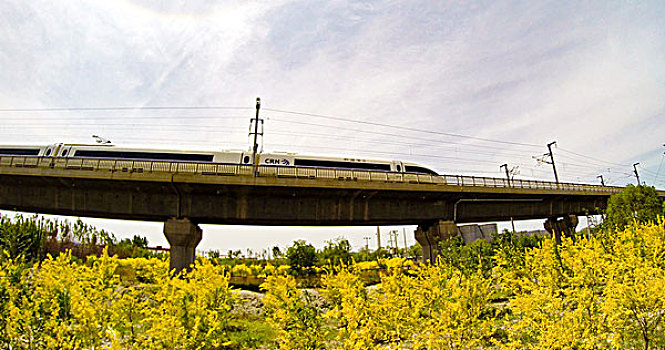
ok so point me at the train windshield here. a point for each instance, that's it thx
(418, 170)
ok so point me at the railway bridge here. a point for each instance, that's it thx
(184, 195)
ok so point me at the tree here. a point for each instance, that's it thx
(277, 253)
(336, 252)
(635, 203)
(23, 237)
(301, 257)
(139, 242)
(415, 251)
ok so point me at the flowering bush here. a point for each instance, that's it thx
(604, 292)
(60, 304)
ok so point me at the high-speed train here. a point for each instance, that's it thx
(106, 151)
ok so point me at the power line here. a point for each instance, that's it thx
(123, 108)
(428, 143)
(113, 125)
(401, 127)
(374, 132)
(592, 158)
(432, 143)
(410, 144)
(123, 116)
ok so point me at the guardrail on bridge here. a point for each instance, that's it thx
(216, 169)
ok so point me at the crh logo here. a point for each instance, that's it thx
(277, 161)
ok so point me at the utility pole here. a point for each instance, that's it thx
(255, 146)
(404, 234)
(659, 166)
(602, 182)
(390, 240)
(507, 173)
(367, 243)
(549, 148)
(378, 238)
(636, 174)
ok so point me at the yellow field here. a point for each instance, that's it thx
(606, 292)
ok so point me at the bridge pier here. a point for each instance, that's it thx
(183, 237)
(429, 236)
(561, 227)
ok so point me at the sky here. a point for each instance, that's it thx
(461, 87)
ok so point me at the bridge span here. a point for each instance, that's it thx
(183, 195)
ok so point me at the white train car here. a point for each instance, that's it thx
(13, 150)
(105, 151)
(299, 160)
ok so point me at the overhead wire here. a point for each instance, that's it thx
(121, 108)
(428, 142)
(375, 132)
(400, 127)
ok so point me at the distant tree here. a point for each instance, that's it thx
(380, 253)
(634, 203)
(336, 252)
(277, 253)
(301, 257)
(139, 242)
(214, 254)
(22, 237)
(363, 254)
(415, 251)
(233, 254)
(135, 247)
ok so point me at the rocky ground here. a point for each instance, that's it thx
(251, 303)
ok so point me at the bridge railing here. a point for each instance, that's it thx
(217, 169)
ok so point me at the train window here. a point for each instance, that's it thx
(64, 153)
(48, 152)
(189, 157)
(245, 160)
(341, 164)
(19, 152)
(399, 168)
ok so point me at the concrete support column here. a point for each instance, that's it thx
(561, 227)
(183, 236)
(429, 236)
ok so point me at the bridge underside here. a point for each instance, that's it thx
(277, 205)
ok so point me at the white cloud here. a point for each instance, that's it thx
(588, 75)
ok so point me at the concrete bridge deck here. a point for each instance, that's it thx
(231, 194)
(202, 193)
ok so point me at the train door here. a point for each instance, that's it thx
(63, 151)
(398, 166)
(51, 150)
(246, 158)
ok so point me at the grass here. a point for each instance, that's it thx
(251, 333)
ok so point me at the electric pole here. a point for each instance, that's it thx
(549, 148)
(659, 166)
(378, 238)
(602, 182)
(404, 233)
(367, 243)
(390, 240)
(636, 174)
(507, 173)
(255, 145)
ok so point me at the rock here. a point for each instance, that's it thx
(247, 303)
